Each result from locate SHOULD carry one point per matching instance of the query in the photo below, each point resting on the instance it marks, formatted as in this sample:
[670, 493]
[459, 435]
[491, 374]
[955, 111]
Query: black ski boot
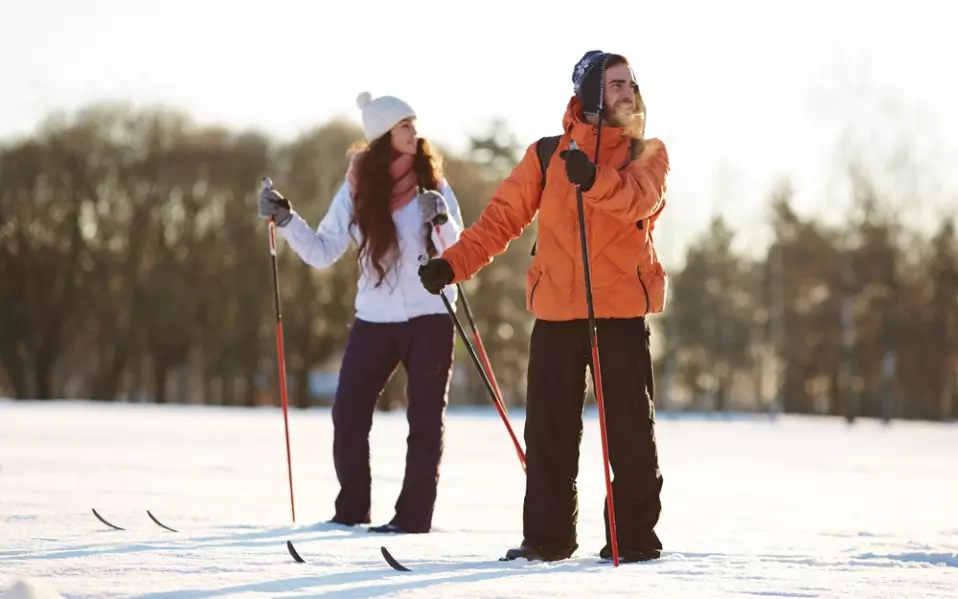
[533, 553]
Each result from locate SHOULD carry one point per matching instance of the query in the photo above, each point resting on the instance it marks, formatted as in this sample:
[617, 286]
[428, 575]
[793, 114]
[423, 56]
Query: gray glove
[433, 207]
[273, 205]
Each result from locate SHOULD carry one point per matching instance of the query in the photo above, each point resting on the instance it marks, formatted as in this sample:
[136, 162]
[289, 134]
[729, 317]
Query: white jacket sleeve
[449, 231]
[323, 247]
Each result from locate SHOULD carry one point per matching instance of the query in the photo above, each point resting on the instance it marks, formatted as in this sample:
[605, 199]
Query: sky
[742, 93]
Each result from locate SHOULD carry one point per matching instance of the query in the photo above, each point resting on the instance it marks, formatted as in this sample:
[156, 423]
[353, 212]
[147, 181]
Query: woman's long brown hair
[373, 194]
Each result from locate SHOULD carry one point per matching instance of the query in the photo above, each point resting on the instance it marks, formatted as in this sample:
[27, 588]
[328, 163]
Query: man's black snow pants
[559, 355]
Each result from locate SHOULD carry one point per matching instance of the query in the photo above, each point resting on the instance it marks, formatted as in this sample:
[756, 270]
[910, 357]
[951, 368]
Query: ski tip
[103, 520]
[294, 553]
[392, 561]
[158, 523]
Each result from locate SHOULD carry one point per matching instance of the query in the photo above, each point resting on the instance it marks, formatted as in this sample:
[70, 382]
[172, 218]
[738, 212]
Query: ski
[395, 565]
[158, 523]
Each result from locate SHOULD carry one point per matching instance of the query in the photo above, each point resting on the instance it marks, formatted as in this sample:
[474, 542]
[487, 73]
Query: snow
[753, 507]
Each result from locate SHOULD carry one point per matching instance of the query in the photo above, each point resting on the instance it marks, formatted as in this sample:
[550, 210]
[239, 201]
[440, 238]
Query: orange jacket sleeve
[513, 206]
[635, 193]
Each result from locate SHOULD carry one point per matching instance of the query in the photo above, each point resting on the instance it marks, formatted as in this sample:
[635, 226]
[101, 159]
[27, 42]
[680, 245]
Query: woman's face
[403, 136]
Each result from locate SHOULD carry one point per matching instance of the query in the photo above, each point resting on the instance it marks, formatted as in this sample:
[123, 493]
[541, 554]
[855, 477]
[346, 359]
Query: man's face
[619, 95]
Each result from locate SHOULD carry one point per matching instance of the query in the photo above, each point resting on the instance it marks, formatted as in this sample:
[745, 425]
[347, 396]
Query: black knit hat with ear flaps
[588, 78]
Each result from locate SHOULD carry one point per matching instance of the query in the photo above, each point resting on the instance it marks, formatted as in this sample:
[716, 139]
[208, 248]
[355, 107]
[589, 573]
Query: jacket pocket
[655, 283]
[533, 278]
[645, 291]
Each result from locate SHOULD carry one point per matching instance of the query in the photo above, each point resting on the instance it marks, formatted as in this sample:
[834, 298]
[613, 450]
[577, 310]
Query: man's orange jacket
[621, 208]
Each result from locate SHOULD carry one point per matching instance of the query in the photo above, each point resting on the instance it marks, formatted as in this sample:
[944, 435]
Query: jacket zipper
[645, 290]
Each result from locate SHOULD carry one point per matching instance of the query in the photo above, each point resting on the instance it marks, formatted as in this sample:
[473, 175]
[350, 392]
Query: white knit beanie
[382, 114]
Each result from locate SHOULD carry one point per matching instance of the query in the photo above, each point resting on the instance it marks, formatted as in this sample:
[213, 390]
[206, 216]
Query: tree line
[135, 268]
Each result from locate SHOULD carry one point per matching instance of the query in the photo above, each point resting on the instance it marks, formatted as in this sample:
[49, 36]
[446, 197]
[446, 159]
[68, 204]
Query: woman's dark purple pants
[424, 346]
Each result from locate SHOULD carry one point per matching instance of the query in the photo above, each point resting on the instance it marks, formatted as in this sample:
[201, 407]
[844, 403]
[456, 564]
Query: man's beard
[624, 116]
[621, 115]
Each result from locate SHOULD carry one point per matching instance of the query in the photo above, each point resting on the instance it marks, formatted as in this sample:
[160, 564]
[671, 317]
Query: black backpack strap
[545, 148]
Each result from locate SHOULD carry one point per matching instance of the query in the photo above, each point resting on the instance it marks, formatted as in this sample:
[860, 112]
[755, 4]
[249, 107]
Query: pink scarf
[405, 187]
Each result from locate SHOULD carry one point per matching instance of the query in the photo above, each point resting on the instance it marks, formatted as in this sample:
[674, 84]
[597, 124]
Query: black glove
[435, 275]
[578, 168]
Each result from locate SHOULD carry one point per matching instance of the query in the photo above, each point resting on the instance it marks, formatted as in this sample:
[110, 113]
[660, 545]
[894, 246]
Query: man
[623, 189]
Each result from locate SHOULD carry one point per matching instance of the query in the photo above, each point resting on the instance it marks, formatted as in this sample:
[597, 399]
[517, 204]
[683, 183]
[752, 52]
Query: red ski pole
[485, 367]
[596, 370]
[500, 404]
[280, 354]
[485, 378]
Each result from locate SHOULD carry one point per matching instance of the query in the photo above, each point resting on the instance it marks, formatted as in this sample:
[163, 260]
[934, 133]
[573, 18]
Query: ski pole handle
[574, 146]
[267, 183]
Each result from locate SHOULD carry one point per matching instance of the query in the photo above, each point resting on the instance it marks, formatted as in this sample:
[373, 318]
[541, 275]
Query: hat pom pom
[363, 99]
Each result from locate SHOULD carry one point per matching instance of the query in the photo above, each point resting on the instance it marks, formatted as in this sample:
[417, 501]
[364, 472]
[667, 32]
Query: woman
[396, 205]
